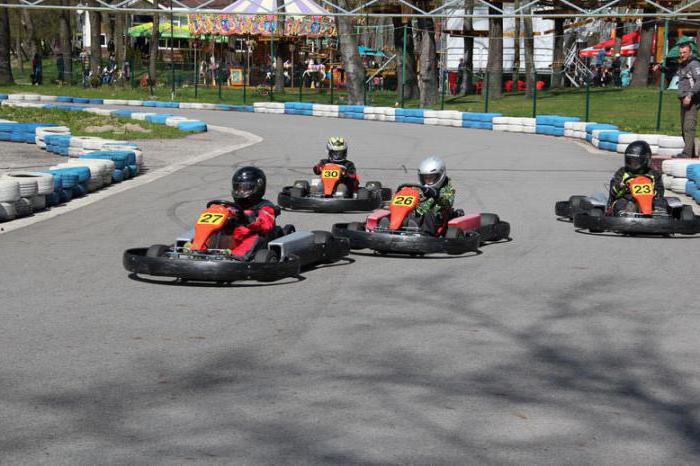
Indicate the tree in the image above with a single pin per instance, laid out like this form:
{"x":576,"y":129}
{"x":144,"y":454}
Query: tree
{"x":428,"y":83}
{"x":410,"y":87}
{"x":354,"y":69}
{"x":640,"y":77}
{"x":120,"y":34}
{"x":558,"y":53}
{"x":280,"y":50}
{"x":95,"y":36}
{"x":34,"y":46}
{"x":516,"y":47}
{"x":494,"y":64}
{"x":530,"y":75}
{"x":5,"y":66}
{"x":468,"y":33}
{"x":153,"y":46}
{"x":65,"y":42}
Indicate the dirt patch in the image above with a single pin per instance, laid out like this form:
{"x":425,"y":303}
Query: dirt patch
{"x":133,"y":128}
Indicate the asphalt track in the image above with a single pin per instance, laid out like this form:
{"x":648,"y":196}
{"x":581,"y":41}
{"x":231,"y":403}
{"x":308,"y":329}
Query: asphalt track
{"x":556,"y":348}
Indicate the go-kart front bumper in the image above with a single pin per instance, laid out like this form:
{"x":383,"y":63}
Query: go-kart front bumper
{"x":407,"y":243}
{"x":329,"y":204}
{"x":637,"y":225}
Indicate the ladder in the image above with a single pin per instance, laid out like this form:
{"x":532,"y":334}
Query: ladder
{"x":574,"y":69}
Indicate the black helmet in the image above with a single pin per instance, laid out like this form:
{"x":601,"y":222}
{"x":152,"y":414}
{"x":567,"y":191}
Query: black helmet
{"x":248,"y":186}
{"x":637,"y":157}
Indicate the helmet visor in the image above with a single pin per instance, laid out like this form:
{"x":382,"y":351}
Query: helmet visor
{"x":244,"y":189}
{"x":634,"y":163}
{"x":336,"y":155}
{"x":429,"y":179}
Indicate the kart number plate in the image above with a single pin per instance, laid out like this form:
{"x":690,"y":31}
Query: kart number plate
{"x":645,"y":188}
{"x":407,"y":201}
{"x":332,"y":174}
{"x":208,"y":218}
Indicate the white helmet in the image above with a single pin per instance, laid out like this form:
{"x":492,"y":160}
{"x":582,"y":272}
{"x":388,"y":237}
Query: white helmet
{"x":432,"y":173}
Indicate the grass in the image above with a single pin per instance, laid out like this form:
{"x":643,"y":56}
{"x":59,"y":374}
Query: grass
{"x":78,"y":122}
{"x":631,"y":109}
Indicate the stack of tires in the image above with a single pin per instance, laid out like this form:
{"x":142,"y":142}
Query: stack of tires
{"x":515,"y":124}
{"x":670,"y":145}
{"x":371,"y":113}
{"x":443,"y":118}
{"x":269,"y":107}
{"x":356,"y":112}
{"x":20,"y":132}
{"x":124,"y":162}
{"x":675,"y":174}
{"x":693,"y":186}
{"x":41,"y":133}
{"x":23,"y":193}
{"x":553,"y":125}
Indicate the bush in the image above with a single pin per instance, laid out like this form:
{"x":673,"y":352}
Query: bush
{"x":95,"y":81}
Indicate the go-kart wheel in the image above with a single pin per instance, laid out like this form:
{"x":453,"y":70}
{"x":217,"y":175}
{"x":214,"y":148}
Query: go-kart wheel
{"x":303,"y":184}
{"x":322,"y":237}
{"x":265,"y":256}
{"x":386,"y":194}
{"x":355,"y":226}
{"x":288,"y":230}
{"x":687,"y":213}
{"x":595,"y":213}
{"x":562,"y":209}
{"x":372,"y":185}
{"x":157,"y":250}
{"x":296,"y":192}
{"x":454,"y":233}
{"x":501,"y":231}
{"x":363,"y":193}
{"x":458,"y":213}
{"x":341,"y":190}
{"x":489,"y":219}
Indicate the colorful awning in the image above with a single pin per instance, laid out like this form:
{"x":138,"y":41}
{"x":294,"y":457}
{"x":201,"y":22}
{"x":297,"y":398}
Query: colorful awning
{"x":265,"y":7}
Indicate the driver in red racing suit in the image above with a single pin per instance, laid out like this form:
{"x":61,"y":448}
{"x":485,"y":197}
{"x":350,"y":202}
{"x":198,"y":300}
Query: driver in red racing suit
{"x":248,"y":188}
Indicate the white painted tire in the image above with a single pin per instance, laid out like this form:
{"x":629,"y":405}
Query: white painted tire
{"x":668,"y":152}
{"x":500,"y":127}
{"x":7,"y":211}
{"x":671,"y":142}
{"x":23,"y":206}
{"x":135,"y":103}
{"x":28,"y":182}
{"x":678,"y":185}
{"x":9,"y":190}
{"x":666,"y":180}
{"x":627,"y":138}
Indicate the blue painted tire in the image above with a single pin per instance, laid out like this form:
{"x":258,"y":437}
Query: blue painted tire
{"x":117,"y":176}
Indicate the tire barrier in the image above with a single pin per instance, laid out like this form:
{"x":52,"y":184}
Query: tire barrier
{"x":91,"y":164}
{"x":682,"y":176}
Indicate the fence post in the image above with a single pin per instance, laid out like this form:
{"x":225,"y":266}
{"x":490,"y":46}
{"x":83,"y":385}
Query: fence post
{"x":534,"y":98}
{"x":331,"y":85}
{"x":442,"y":94}
{"x":301,"y":88}
{"x":403,"y":65}
{"x":245,"y":82}
{"x":662,"y":82}
{"x":588,"y":100}
{"x":486,"y":93}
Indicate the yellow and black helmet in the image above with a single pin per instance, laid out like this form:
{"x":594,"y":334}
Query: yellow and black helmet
{"x":337,"y":149}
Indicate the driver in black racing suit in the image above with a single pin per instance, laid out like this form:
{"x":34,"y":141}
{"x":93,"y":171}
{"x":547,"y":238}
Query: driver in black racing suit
{"x":637,"y":159}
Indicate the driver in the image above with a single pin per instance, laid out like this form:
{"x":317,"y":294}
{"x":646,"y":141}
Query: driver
{"x":438,"y":194}
{"x":337,"y":154}
{"x":248,"y":189}
{"x":637,"y":159}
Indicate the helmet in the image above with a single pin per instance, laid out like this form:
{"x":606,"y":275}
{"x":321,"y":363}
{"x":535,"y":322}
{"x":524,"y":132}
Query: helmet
{"x":637,"y":157}
{"x":432,"y":173}
{"x":248,"y":186}
{"x":337,"y":149}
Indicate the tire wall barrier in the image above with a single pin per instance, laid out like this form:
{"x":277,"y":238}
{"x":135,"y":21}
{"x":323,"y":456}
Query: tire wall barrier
{"x":603,"y":136}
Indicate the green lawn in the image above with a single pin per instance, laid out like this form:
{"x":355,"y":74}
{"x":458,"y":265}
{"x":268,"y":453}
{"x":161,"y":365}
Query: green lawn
{"x":631,"y":109}
{"x":79,"y":121}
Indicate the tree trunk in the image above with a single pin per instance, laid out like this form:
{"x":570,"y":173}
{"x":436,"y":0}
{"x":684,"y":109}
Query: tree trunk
{"x":411,"y":80}
{"x":33,"y":44}
{"x":529,"y":40}
{"x":494,"y":65}
{"x":640,"y":76}
{"x":95,"y":33}
{"x":66,"y":41}
{"x":468,"y":33}
{"x":5,"y":67}
{"x":516,"y":48}
{"x":153,"y":48}
{"x":354,"y":70}
{"x":120,"y":35}
{"x":280,"y":45}
{"x":428,"y":83}
{"x":558,"y":54}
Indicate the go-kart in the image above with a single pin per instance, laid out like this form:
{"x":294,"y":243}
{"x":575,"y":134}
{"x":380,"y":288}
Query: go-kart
{"x":203,"y":254}
{"x":641,"y":216}
{"x":330,"y":194}
{"x":397,"y":230}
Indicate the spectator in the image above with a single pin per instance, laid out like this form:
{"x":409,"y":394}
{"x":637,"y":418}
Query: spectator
{"x":616,"y":70}
{"x":37,"y":74}
{"x":203,"y":73}
{"x":60,"y":68}
{"x":689,"y":96}
{"x":625,"y":76}
{"x":85,"y":60}
{"x":460,"y":75}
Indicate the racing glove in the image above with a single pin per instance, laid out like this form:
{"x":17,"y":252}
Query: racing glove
{"x":431,"y":192}
{"x":241,"y":233}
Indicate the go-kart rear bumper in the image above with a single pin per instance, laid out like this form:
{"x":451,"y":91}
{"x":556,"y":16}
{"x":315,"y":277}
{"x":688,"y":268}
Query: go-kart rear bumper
{"x":637,"y":225}
{"x":406,"y":244}
{"x":329,"y":204}
{"x":136,"y":261}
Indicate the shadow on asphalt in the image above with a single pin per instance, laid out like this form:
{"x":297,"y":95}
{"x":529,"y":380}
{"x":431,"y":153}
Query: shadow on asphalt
{"x":610,"y":234}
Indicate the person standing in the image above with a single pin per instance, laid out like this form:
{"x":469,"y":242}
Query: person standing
{"x":689,"y":96}
{"x":85,"y":60}
{"x":60,"y":69}
{"x":36,"y":70}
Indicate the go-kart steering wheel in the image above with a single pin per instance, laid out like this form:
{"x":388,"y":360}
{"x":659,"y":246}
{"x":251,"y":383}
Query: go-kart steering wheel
{"x":223,"y":203}
{"x":411,"y":185}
